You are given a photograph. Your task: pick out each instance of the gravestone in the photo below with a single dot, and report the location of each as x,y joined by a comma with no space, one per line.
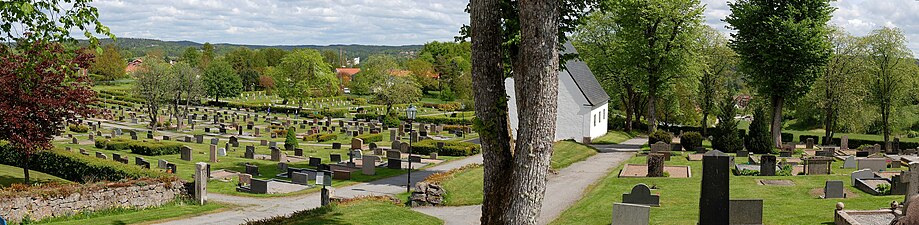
818,165
213,154
393,163
785,154
201,182
74,141
298,152
660,146
767,165
315,161
171,168
244,179
911,179
282,167
810,143
162,164
393,154
252,170
392,135
199,138
641,195
834,189
715,194
335,158
875,164
743,153
875,150
336,145
221,152
186,153
234,141
357,143
368,165
861,174
299,178
655,164
849,163
746,211
414,158
258,186
631,214
250,152
844,143
356,154
276,154
263,142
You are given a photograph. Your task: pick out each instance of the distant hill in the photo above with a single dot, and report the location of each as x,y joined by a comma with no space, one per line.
134,47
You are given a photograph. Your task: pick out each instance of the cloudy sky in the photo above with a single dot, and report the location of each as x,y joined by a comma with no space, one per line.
387,22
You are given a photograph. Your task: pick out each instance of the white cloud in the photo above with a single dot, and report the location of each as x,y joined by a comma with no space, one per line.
286,22
858,17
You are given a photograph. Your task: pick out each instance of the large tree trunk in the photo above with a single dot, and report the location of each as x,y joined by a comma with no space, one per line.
885,117
777,102
491,108
828,126
652,112
537,80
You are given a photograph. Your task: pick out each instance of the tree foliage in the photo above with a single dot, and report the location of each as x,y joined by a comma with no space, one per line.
49,20
154,83
726,136
758,139
220,80
377,79
782,46
717,65
109,65
891,72
303,74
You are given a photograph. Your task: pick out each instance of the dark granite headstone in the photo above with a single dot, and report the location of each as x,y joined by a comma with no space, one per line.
335,158
315,162
655,164
767,165
336,145
714,200
394,163
641,195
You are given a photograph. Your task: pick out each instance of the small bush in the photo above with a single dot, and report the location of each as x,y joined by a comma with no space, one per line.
691,140
912,134
291,140
759,137
391,121
78,128
113,144
746,172
451,148
660,136
884,189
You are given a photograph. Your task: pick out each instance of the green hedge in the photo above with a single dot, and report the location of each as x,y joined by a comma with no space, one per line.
155,148
140,147
441,120
113,144
369,138
320,137
76,167
451,148
78,128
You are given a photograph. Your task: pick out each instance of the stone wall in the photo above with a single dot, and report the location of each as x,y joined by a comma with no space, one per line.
38,206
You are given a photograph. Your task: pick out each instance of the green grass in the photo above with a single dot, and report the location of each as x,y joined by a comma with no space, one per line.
613,137
13,175
176,210
680,197
465,187
364,211
568,152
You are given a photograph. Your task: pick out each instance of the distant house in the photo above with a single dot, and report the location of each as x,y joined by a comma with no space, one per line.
345,75
133,66
582,103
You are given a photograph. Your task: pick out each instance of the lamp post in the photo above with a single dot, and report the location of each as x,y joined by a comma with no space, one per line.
410,116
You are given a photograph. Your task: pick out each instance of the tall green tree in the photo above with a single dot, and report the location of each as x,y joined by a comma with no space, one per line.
657,37
303,74
192,56
782,45
759,139
153,83
890,74
717,62
838,94
220,80
207,55
373,71
186,87
244,61
599,47
109,65
376,79
271,56
524,37
726,135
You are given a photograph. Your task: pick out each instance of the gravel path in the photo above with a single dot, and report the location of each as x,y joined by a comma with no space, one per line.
563,189
260,208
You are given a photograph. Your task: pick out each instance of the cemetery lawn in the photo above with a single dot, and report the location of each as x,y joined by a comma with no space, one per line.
13,175
614,137
361,211
465,187
177,210
680,197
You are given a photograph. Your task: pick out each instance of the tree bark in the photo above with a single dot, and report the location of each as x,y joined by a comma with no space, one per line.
491,108
537,80
704,124
777,102
25,169
652,112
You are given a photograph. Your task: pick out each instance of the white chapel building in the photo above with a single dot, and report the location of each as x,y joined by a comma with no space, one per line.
582,103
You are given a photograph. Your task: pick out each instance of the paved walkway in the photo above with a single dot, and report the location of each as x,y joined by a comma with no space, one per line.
261,208
563,189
